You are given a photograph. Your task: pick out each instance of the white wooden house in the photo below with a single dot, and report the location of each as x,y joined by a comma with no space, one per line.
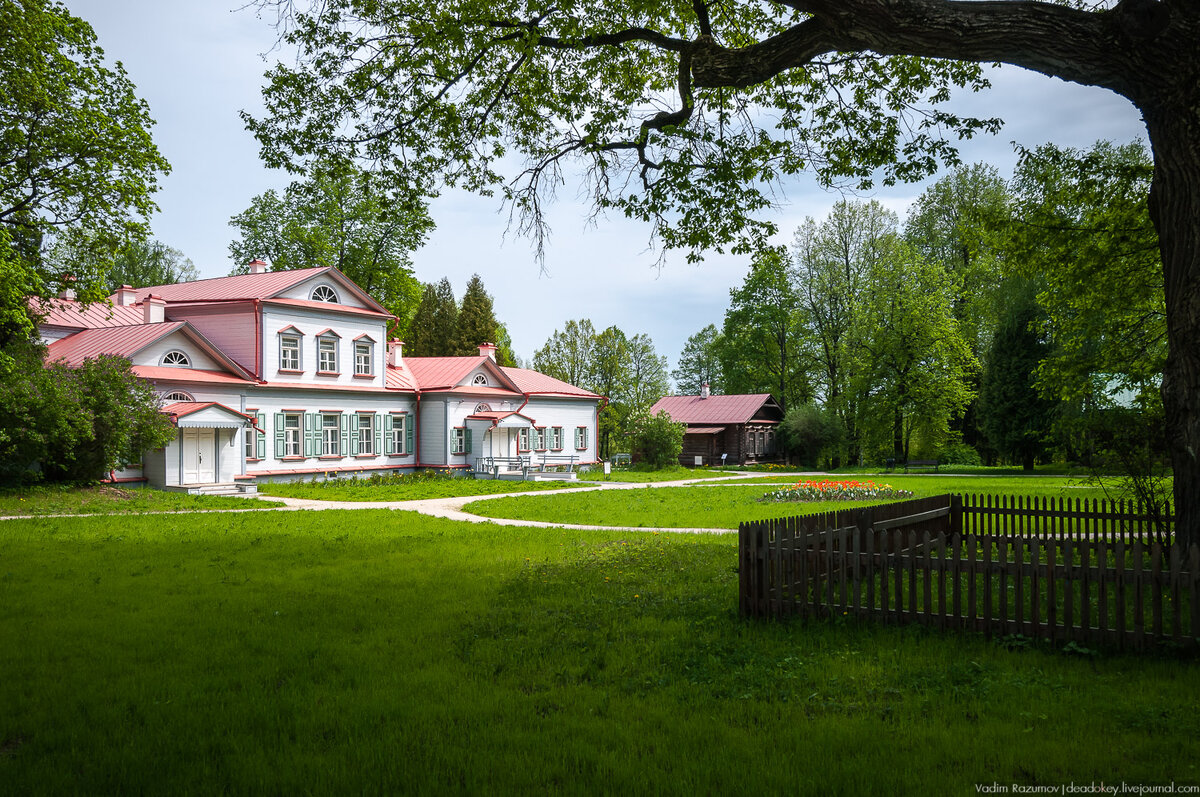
289,374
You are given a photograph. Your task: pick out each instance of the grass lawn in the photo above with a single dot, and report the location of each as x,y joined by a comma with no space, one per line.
664,475
401,490
724,506
103,499
379,652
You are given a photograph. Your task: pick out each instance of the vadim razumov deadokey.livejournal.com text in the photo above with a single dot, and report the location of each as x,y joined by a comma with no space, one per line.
1093,787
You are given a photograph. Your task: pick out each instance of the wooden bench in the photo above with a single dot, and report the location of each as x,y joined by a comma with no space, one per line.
921,464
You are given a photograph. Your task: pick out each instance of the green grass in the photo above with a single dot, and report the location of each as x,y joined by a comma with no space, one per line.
380,652
649,476
107,500
416,490
724,506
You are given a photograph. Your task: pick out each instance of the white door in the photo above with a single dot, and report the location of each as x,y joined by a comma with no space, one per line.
199,456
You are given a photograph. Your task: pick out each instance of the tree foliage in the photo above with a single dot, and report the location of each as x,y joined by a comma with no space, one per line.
435,323
339,217
476,321
77,163
656,439
143,263
700,364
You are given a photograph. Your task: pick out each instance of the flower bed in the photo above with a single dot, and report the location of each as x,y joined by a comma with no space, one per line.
830,490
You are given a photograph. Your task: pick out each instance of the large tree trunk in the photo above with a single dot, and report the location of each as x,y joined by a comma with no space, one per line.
1175,209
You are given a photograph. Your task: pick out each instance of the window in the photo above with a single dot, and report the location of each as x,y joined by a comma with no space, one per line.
323,293
522,439
292,434
581,437
482,408
289,353
256,442
327,355
458,441
398,436
539,439
480,379
363,358
556,438
366,434
176,359
177,395
331,436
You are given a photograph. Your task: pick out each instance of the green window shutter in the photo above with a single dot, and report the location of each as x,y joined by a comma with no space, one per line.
310,435
378,435
408,435
389,425
279,435
261,441
345,436
353,434
467,439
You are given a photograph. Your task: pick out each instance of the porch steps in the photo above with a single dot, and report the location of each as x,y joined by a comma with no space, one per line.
214,489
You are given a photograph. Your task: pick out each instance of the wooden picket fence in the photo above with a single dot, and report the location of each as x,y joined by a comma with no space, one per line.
1095,573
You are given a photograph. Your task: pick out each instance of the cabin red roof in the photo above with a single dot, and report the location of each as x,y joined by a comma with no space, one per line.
239,286
714,409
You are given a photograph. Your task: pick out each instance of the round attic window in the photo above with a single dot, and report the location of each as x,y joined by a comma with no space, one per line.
480,379
482,408
176,359
177,395
323,293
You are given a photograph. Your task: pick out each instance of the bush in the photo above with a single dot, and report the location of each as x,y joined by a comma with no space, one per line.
73,424
657,439
807,431
958,453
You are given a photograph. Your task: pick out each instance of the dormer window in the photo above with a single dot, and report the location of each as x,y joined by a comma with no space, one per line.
364,356
177,395
324,293
480,379
327,354
176,359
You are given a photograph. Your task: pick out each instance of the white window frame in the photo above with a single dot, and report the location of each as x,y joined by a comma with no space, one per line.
523,440
179,359
458,440
251,443
364,358
293,436
325,291
178,395
331,445
295,363
581,438
480,380
400,434
556,438
365,443
322,352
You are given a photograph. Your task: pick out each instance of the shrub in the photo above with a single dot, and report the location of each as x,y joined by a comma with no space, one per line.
958,453
807,431
658,439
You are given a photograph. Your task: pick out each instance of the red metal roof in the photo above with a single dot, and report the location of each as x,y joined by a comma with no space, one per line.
182,408
433,373
712,410
165,373
72,314
704,429
240,286
124,341
399,379
327,307
538,383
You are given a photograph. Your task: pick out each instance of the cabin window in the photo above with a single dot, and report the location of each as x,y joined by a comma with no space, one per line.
366,434
177,395
398,440
292,434
522,439
331,436
480,379
556,438
581,438
363,357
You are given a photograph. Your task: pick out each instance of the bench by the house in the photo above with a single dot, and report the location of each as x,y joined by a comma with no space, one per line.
921,464
620,459
553,460
494,466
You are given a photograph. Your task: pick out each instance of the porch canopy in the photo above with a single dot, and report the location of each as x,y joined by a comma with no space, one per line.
503,420
206,415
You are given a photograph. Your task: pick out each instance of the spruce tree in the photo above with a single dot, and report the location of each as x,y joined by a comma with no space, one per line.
476,320
433,326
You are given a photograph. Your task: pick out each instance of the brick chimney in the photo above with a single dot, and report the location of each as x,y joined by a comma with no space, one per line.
125,296
395,353
257,266
487,350
154,309
68,289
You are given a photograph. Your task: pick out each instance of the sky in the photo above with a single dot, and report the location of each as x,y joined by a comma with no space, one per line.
198,64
